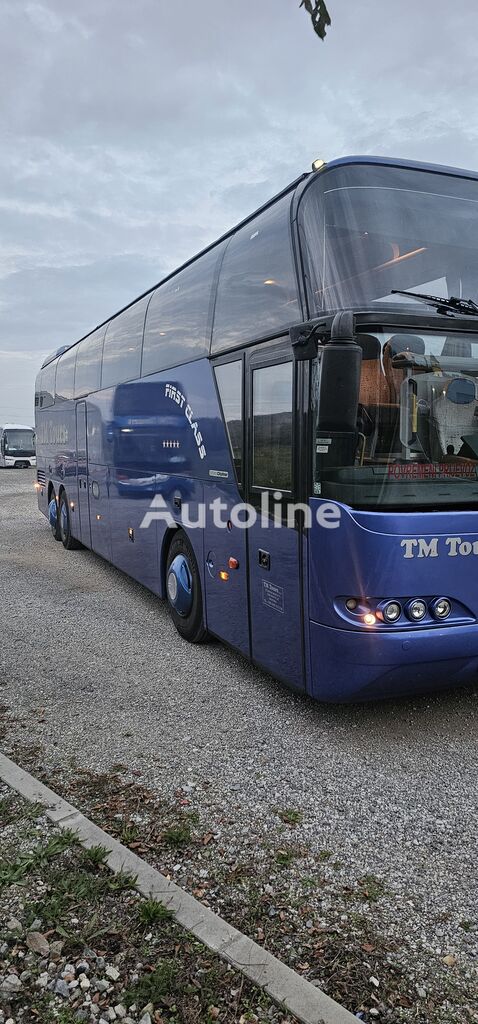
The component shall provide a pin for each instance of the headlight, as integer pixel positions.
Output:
(391, 611)
(416, 610)
(441, 608)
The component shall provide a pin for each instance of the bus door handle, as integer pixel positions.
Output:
(264, 559)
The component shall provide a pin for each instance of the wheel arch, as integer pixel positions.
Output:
(169, 533)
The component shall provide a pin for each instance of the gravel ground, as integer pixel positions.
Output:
(95, 672)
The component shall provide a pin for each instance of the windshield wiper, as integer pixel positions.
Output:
(445, 306)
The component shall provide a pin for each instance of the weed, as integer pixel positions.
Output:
(32, 810)
(150, 911)
(371, 888)
(285, 857)
(12, 872)
(324, 855)
(128, 834)
(66, 1016)
(123, 880)
(290, 816)
(154, 987)
(177, 835)
(95, 856)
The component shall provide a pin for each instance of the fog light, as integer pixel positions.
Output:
(441, 608)
(392, 611)
(416, 610)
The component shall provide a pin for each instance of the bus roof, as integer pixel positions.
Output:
(16, 426)
(382, 161)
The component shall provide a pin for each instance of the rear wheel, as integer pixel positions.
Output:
(183, 589)
(54, 517)
(69, 542)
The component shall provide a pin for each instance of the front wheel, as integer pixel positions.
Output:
(183, 589)
(69, 542)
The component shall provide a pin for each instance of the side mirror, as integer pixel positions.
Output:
(340, 369)
(338, 399)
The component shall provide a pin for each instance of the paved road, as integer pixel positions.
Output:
(390, 788)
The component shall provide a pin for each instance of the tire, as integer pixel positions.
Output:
(69, 543)
(55, 527)
(183, 590)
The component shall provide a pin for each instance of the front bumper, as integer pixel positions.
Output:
(13, 462)
(351, 665)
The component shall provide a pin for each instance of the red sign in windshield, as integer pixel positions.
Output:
(431, 470)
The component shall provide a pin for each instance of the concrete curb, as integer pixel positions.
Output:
(308, 1003)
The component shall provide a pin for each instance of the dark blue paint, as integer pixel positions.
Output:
(365, 558)
(276, 634)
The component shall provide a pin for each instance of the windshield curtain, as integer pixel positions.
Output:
(368, 228)
(416, 443)
(20, 442)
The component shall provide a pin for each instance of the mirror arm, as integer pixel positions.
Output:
(305, 338)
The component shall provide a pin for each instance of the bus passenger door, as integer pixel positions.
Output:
(225, 542)
(274, 547)
(82, 475)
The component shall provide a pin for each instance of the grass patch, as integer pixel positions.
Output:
(128, 834)
(371, 889)
(150, 911)
(290, 816)
(177, 835)
(285, 857)
(95, 856)
(154, 987)
(13, 872)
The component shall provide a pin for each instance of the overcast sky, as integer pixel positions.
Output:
(133, 133)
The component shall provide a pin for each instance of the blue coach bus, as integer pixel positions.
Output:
(312, 376)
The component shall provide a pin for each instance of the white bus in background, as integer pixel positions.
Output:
(17, 446)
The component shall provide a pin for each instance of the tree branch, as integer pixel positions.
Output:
(319, 14)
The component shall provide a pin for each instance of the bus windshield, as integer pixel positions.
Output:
(20, 442)
(371, 228)
(416, 443)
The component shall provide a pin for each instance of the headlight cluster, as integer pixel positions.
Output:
(391, 611)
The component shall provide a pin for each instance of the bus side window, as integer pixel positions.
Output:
(272, 427)
(257, 293)
(229, 383)
(122, 345)
(48, 375)
(65, 376)
(88, 364)
(38, 390)
(178, 319)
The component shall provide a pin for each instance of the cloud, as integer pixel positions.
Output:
(18, 371)
(134, 134)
